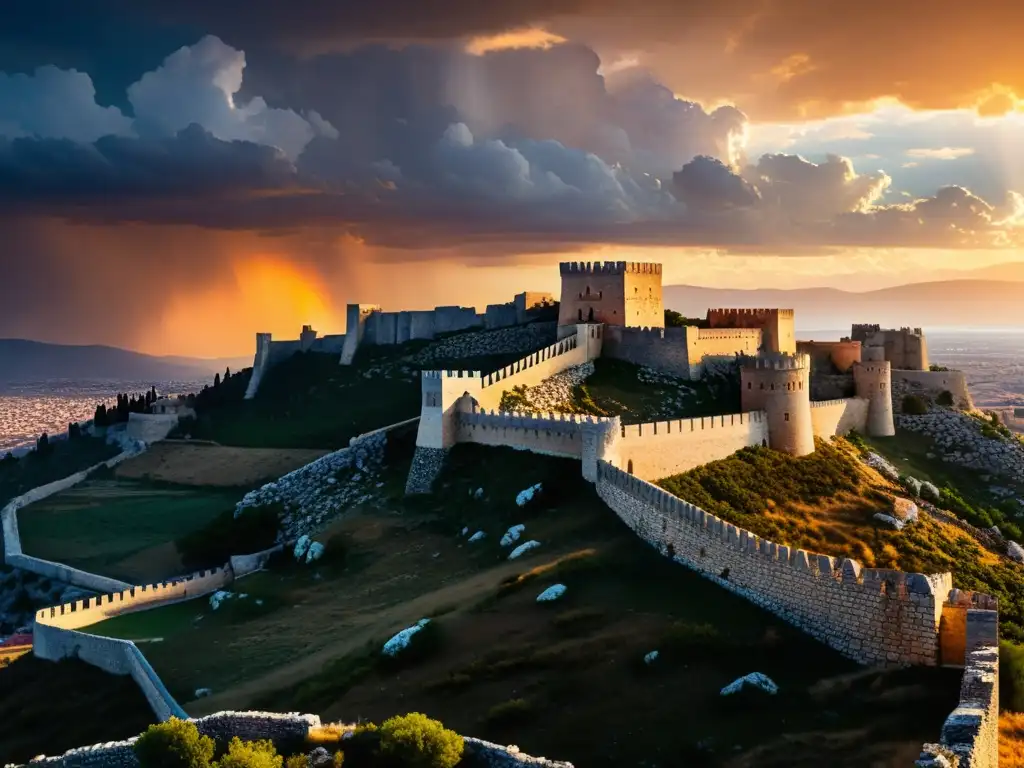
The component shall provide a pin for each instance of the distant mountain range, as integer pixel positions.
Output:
(947, 303)
(22, 360)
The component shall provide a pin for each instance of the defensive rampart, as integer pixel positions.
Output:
(679, 351)
(874, 616)
(15, 557)
(548, 434)
(931, 383)
(837, 417)
(664, 448)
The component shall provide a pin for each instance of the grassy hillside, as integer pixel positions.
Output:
(825, 502)
(566, 679)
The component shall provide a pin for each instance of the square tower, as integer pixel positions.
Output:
(622, 293)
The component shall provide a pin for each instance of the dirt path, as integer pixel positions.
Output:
(465, 594)
(191, 463)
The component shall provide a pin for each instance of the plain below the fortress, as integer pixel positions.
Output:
(124, 529)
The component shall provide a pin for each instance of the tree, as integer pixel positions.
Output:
(227, 374)
(945, 397)
(914, 405)
(43, 444)
(250, 754)
(174, 744)
(216, 380)
(416, 741)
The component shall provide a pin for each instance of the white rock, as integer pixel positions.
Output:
(401, 640)
(301, 546)
(651, 657)
(219, 597)
(315, 552)
(477, 536)
(512, 535)
(522, 549)
(889, 520)
(201, 692)
(552, 593)
(755, 679)
(1015, 551)
(525, 497)
(465, 531)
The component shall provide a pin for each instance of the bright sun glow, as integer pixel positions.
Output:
(268, 295)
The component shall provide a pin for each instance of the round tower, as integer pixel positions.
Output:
(779, 385)
(873, 381)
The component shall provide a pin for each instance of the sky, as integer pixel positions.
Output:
(177, 176)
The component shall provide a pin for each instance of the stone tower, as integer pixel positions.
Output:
(779, 384)
(873, 381)
(622, 293)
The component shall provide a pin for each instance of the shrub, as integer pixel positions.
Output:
(509, 712)
(416, 741)
(945, 397)
(226, 535)
(297, 761)
(174, 744)
(1011, 676)
(914, 405)
(250, 754)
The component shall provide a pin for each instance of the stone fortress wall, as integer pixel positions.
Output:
(777, 325)
(679, 351)
(871, 615)
(905, 348)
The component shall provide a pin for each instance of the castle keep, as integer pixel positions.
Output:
(619, 293)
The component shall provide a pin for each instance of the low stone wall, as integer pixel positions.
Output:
(665, 448)
(874, 616)
(970, 735)
(222, 726)
(15, 557)
(282, 729)
(662, 349)
(243, 565)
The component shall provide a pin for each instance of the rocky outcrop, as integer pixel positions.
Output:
(522, 339)
(316, 493)
(959, 440)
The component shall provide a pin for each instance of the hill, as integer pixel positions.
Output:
(961, 303)
(25, 360)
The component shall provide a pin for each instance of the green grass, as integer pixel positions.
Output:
(164, 622)
(122, 529)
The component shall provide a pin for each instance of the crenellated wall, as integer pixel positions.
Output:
(665, 448)
(837, 417)
(874, 616)
(550, 434)
(825, 355)
(777, 325)
(615, 293)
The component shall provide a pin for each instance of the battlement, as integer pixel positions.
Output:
(562, 347)
(695, 424)
(830, 403)
(779, 361)
(451, 374)
(530, 418)
(608, 268)
(728, 333)
(725, 312)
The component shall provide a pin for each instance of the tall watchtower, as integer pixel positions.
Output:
(873, 381)
(623, 293)
(780, 385)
